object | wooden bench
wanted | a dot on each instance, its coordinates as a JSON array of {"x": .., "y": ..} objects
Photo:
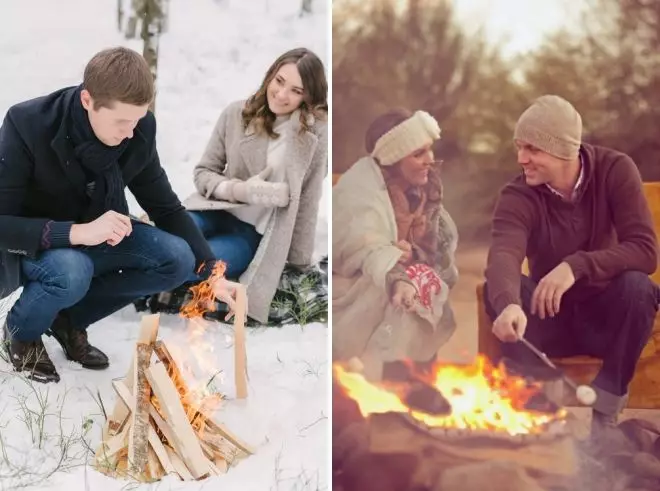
[{"x": 644, "y": 391}]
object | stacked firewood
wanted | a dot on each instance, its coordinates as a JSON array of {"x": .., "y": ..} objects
[{"x": 159, "y": 426}]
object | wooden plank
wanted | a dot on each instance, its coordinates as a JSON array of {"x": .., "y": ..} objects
[
  {"x": 164, "y": 355},
  {"x": 208, "y": 450},
  {"x": 223, "y": 448},
  {"x": 215, "y": 470},
  {"x": 149, "y": 329},
  {"x": 221, "y": 464},
  {"x": 162, "y": 425},
  {"x": 221, "y": 429},
  {"x": 159, "y": 449},
  {"x": 122, "y": 465},
  {"x": 114, "y": 444},
  {"x": 156, "y": 470},
  {"x": 138, "y": 444},
  {"x": 240, "y": 356},
  {"x": 154, "y": 440},
  {"x": 185, "y": 440},
  {"x": 107, "y": 455},
  {"x": 119, "y": 416},
  {"x": 121, "y": 413},
  {"x": 179, "y": 465}
]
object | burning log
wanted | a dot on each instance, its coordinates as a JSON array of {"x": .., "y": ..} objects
[
  {"x": 158, "y": 427},
  {"x": 541, "y": 403},
  {"x": 425, "y": 397},
  {"x": 480, "y": 395}
]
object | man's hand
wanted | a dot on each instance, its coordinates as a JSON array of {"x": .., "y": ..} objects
[
  {"x": 111, "y": 227},
  {"x": 405, "y": 246},
  {"x": 403, "y": 296},
  {"x": 510, "y": 324},
  {"x": 546, "y": 298}
]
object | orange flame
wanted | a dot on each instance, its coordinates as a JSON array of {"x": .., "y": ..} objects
[
  {"x": 197, "y": 348},
  {"x": 203, "y": 294},
  {"x": 481, "y": 396}
]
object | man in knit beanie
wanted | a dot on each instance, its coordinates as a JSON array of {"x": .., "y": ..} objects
[{"x": 579, "y": 216}]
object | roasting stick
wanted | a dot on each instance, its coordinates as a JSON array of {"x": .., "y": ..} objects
[{"x": 585, "y": 394}]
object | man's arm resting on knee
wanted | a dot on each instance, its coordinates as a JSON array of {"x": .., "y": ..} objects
[
  {"x": 637, "y": 248},
  {"x": 512, "y": 221},
  {"x": 22, "y": 235}
]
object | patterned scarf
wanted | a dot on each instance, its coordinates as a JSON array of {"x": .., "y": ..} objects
[{"x": 418, "y": 216}]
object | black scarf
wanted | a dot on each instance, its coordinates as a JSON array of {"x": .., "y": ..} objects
[{"x": 100, "y": 162}]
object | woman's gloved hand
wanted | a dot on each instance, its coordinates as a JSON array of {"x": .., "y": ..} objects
[{"x": 255, "y": 191}]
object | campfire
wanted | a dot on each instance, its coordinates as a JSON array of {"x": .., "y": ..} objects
[
  {"x": 470, "y": 400},
  {"x": 162, "y": 426},
  {"x": 451, "y": 423}
]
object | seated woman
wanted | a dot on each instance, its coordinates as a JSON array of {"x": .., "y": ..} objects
[
  {"x": 393, "y": 247},
  {"x": 260, "y": 180}
]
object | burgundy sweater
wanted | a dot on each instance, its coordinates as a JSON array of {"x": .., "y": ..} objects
[{"x": 607, "y": 230}]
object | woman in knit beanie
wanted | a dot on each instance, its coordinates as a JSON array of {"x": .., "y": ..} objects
[{"x": 393, "y": 248}]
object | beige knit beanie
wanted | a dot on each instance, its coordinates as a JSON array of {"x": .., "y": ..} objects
[
  {"x": 412, "y": 134},
  {"x": 553, "y": 125}
]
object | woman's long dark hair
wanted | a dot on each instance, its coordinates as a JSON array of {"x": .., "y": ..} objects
[{"x": 315, "y": 92}]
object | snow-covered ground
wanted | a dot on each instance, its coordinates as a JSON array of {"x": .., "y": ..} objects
[{"x": 214, "y": 52}]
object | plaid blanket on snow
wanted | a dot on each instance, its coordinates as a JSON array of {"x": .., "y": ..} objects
[{"x": 301, "y": 298}]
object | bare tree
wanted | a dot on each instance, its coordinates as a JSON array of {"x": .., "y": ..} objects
[
  {"x": 306, "y": 7},
  {"x": 152, "y": 17}
]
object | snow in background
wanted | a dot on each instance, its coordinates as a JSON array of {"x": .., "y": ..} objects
[{"x": 215, "y": 51}]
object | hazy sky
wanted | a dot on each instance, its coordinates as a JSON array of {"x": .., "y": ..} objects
[{"x": 522, "y": 24}]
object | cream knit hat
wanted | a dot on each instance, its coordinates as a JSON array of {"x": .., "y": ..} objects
[
  {"x": 553, "y": 125},
  {"x": 412, "y": 134}
]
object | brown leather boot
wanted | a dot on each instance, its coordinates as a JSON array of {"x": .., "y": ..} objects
[
  {"x": 75, "y": 345},
  {"x": 30, "y": 357}
]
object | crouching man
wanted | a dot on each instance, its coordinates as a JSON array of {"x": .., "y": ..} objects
[{"x": 65, "y": 233}]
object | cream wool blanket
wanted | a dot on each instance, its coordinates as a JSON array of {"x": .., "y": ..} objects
[{"x": 364, "y": 323}]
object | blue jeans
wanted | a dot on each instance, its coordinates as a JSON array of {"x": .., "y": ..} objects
[
  {"x": 90, "y": 283},
  {"x": 232, "y": 240},
  {"x": 613, "y": 325}
]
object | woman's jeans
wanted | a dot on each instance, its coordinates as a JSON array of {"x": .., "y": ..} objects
[{"x": 233, "y": 241}]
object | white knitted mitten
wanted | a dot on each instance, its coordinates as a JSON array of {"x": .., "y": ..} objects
[
  {"x": 224, "y": 190},
  {"x": 258, "y": 191},
  {"x": 269, "y": 194}
]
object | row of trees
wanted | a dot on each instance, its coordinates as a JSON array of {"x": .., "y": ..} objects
[{"x": 414, "y": 54}]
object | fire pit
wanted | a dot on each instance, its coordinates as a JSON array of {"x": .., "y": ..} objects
[{"x": 454, "y": 422}]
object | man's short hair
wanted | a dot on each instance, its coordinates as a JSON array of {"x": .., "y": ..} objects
[{"x": 119, "y": 75}]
